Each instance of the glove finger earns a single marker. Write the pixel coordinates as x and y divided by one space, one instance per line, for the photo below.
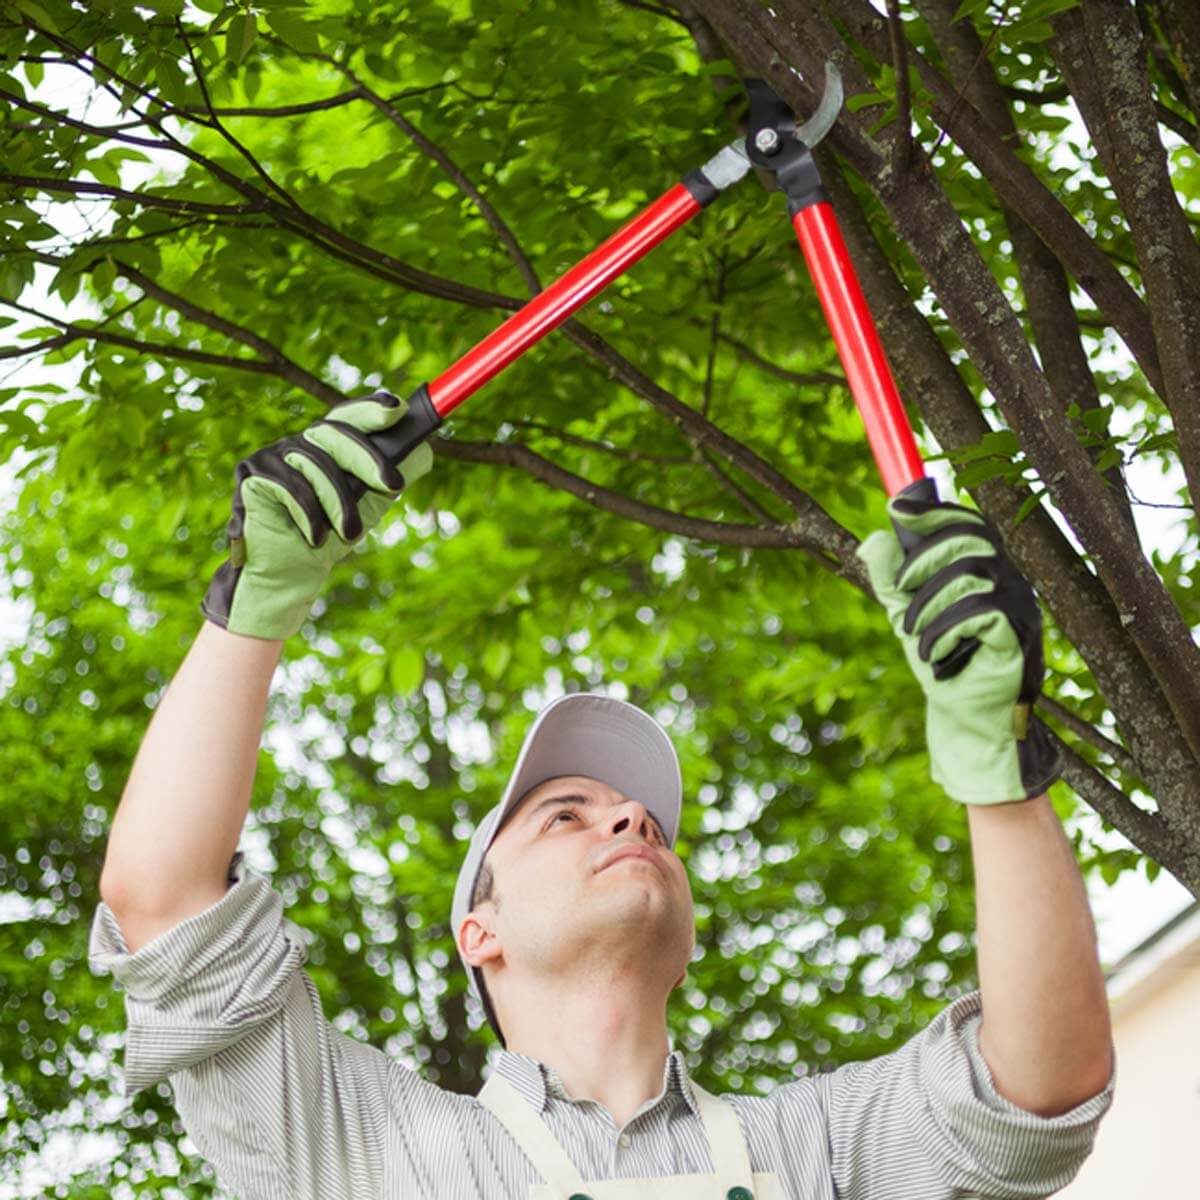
962 577
882 554
331 485
924 517
296 496
356 453
972 616
939 550
418 463
369 414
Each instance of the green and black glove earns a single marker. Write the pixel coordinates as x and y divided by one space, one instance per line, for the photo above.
972 632
299 506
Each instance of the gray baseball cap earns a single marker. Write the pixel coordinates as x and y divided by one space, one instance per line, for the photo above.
578 734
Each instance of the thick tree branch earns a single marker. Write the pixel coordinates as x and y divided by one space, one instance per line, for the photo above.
1017 186
992 336
1056 330
1100 51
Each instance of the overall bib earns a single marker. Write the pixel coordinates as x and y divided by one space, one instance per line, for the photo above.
732 1179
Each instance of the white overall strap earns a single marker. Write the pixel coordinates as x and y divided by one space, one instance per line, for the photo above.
549 1158
731 1159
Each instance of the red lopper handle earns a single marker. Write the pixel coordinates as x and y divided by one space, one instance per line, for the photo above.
889 433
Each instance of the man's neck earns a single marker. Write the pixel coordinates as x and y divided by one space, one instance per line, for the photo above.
604 1046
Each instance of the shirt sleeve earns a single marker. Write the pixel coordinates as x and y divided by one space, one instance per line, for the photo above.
278 1101
927 1123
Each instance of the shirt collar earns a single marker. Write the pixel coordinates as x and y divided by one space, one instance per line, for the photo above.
537 1082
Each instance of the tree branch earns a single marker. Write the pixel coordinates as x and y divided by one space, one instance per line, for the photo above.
902 145
1146 830
1101 54
1087 732
802 378
512 454
1056 329
462 182
215 120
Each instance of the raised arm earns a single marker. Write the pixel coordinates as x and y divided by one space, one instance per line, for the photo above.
299 505
186 800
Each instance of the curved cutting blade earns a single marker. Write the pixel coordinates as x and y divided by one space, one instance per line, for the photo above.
820 123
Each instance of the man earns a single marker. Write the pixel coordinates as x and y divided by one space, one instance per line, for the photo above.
573 917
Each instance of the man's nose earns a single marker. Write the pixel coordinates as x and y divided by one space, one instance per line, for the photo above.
632 814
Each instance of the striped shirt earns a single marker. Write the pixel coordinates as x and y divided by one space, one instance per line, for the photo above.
285 1107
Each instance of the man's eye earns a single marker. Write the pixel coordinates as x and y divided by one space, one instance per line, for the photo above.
566 812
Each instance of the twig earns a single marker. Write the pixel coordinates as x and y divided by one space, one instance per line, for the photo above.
511 454
901 146
1086 731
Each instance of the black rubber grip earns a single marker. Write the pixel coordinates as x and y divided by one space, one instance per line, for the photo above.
398 441
923 490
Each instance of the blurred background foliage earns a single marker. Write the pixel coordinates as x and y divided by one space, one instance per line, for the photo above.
832 881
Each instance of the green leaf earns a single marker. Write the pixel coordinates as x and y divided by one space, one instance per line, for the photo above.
170 517
979 472
14 276
370 678
1027 506
36 13
496 658
103 275
171 81
971 8
298 34
861 100
132 425
406 669
240 36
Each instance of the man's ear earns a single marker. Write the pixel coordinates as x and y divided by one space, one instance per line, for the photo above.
478 940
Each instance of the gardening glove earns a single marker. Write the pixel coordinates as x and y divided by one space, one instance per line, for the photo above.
972 632
299 505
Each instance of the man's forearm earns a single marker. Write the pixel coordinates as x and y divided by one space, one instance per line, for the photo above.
1046 1030
183 808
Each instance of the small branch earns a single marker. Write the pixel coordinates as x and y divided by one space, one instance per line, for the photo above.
286 367
1178 125
1146 830
803 378
456 175
656 10
255 165
604 447
95 334
509 454
819 527
76 187
1087 732
901 146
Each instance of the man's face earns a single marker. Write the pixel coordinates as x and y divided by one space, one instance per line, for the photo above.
574 898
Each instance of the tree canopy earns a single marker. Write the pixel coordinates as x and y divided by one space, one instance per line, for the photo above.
220 218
